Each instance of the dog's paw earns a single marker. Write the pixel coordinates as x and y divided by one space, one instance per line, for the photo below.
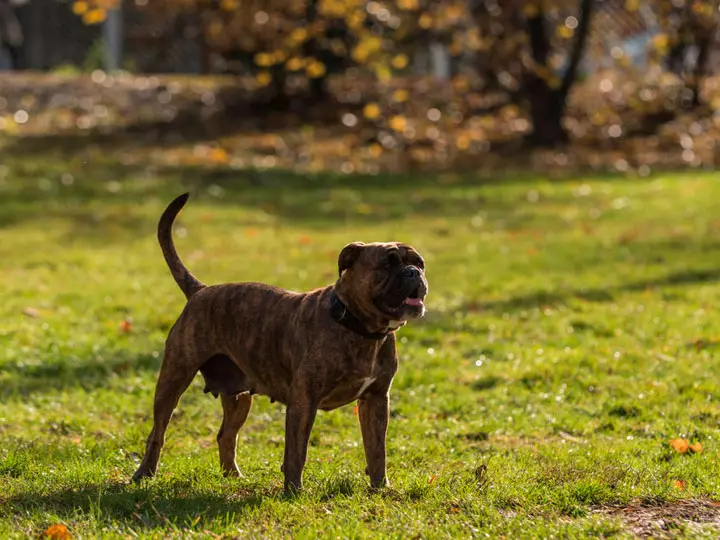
140 474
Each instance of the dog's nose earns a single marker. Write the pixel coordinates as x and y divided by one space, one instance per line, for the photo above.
411 272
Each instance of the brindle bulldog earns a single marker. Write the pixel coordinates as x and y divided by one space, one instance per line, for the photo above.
317 350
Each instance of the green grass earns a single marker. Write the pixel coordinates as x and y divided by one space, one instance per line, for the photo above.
572 331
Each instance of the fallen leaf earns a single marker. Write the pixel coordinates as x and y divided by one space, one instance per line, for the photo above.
432 478
31 312
57 531
218 155
681 446
355 410
697 448
125 326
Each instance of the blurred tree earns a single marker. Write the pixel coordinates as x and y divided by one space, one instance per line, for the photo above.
11 34
294 45
523 56
690 27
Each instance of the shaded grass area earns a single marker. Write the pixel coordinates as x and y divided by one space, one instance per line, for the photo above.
571 333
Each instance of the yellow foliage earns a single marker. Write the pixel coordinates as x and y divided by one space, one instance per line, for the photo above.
565 32
408 4
367 46
462 141
263 78
229 5
400 95
425 21
264 59
400 61
360 54
215 29
298 35
530 10
218 155
703 8
398 123
383 72
356 20
94 16
315 69
375 150
371 111
461 83
80 8
661 42
294 64
453 12
632 5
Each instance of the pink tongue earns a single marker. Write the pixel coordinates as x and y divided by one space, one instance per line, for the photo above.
414 301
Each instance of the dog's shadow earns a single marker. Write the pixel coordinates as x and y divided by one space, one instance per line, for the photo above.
62 373
141 506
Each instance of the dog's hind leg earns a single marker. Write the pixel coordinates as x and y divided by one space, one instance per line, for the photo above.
175 376
235 412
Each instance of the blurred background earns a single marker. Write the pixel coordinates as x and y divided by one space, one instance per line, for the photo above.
369 86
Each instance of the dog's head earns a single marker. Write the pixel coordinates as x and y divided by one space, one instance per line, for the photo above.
384 281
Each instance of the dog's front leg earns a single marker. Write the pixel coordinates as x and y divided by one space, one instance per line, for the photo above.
374 411
299 419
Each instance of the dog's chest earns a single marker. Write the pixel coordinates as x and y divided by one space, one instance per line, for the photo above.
346 391
351 381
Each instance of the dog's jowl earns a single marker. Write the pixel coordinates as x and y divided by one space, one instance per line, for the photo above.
316 350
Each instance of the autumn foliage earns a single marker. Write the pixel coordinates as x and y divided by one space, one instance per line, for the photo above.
531 51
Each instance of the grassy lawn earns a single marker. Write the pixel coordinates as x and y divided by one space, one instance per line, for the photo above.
572 332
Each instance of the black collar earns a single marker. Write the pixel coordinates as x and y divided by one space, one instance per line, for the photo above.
342 315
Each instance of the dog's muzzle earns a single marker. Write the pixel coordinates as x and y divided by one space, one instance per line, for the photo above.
405 297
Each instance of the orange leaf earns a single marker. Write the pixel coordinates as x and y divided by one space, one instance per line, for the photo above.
681 446
57 531
305 239
126 326
355 410
680 484
432 478
218 155
697 448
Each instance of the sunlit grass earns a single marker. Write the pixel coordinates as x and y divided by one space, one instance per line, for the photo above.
571 333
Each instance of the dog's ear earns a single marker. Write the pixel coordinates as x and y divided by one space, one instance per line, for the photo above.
348 256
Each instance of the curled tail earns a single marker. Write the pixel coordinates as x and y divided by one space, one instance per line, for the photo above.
188 283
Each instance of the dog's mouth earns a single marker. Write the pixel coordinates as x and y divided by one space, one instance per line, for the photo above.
412 306
415 299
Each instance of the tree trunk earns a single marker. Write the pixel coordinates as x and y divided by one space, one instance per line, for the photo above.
546 112
704 43
548 103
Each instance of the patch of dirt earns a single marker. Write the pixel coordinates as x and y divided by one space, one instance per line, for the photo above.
667 520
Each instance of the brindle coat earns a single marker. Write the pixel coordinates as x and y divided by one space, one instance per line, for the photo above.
251 338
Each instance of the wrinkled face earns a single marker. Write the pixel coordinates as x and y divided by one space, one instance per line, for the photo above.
388 278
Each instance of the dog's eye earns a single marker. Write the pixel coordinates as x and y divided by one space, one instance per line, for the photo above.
393 259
